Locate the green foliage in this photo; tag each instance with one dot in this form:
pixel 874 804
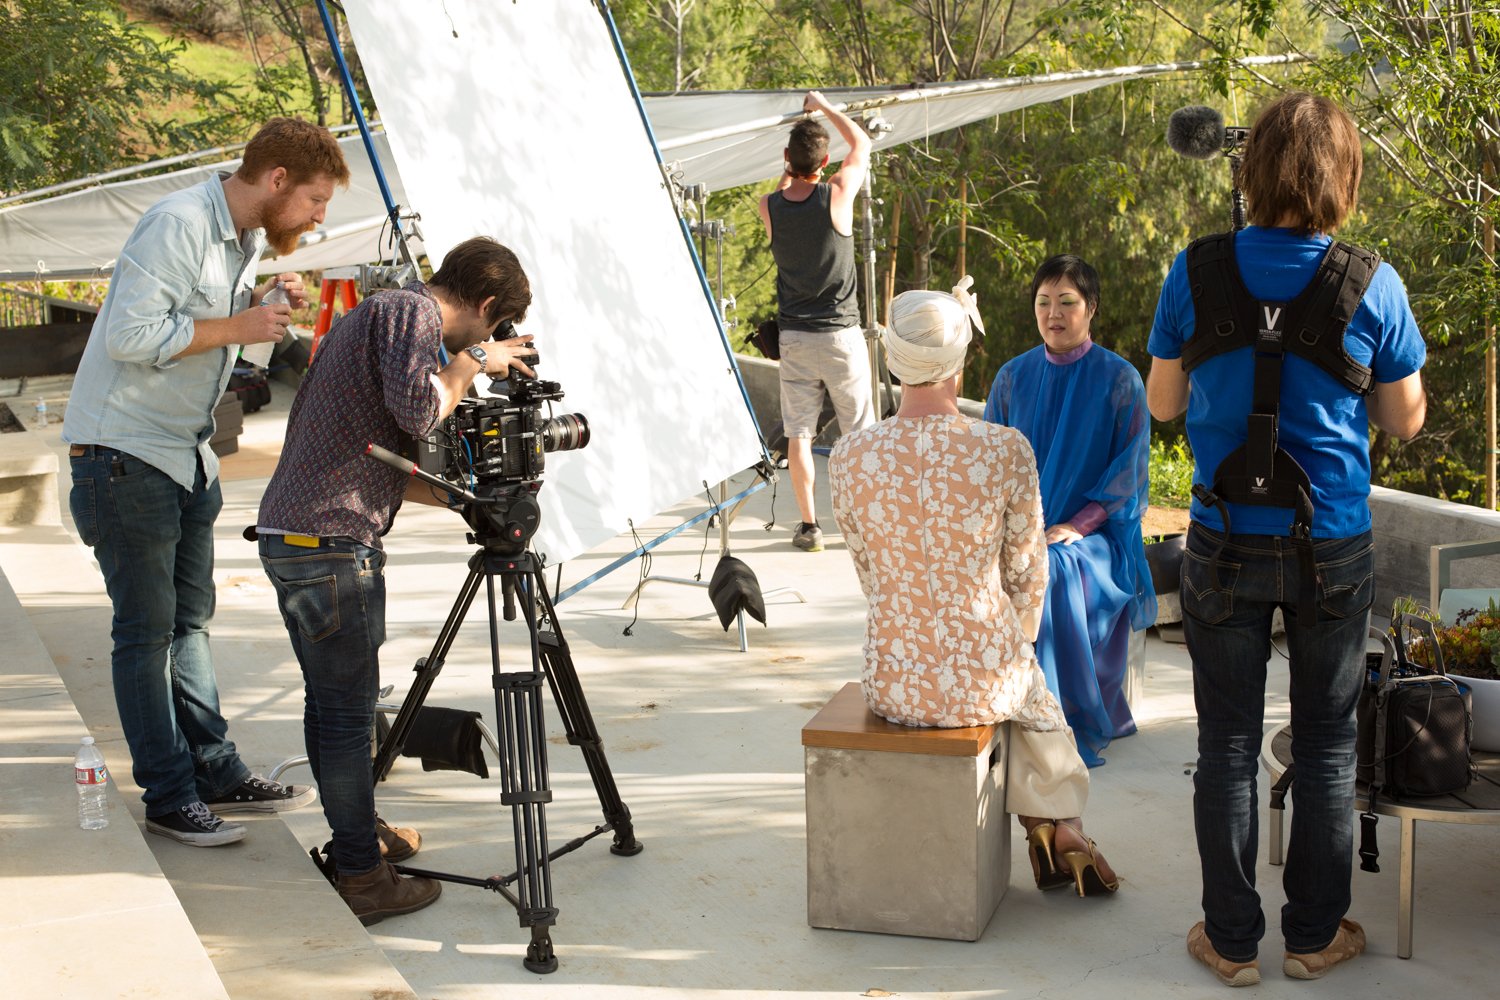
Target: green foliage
pixel 1171 473
pixel 71 96
pixel 1090 175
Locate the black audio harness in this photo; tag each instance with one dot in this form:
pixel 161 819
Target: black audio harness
pixel 1311 326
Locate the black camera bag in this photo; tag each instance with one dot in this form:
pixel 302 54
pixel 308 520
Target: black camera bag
pixel 1415 724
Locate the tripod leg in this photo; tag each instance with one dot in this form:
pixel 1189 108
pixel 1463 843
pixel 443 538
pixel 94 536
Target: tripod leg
pixel 578 721
pixel 525 788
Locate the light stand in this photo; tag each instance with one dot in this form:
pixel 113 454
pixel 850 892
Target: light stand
pixel 866 244
pixel 695 196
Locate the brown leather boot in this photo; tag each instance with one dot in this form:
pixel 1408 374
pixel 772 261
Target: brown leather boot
pixel 384 892
pixel 397 843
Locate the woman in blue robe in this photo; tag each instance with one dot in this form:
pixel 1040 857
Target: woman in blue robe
pixel 1083 408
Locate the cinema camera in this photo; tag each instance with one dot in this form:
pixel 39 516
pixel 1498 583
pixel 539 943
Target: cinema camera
pixel 490 453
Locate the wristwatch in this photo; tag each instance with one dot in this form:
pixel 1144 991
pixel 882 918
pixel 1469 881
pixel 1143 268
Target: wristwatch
pixel 477 353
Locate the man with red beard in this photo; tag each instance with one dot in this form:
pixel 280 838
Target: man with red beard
pixel 145 492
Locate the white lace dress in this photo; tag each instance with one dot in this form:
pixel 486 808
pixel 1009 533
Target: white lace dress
pixel 943 517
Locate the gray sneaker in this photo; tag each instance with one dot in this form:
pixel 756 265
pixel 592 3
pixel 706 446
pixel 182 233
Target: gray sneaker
pixel 196 825
pixel 808 537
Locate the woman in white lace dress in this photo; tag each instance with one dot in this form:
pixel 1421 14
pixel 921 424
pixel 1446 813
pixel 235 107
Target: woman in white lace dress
pixel 942 515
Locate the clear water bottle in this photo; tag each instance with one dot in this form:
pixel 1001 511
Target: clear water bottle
pixel 259 355
pixel 90 778
pixel 41 413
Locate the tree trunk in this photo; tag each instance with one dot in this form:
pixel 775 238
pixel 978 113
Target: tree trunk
pixel 1489 369
pixel 921 253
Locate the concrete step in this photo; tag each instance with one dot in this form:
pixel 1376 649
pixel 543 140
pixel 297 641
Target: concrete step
pixel 261 918
pixel 88 913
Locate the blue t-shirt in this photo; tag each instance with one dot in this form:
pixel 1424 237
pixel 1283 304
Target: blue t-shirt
pixel 1323 425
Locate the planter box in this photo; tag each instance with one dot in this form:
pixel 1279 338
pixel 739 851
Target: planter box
pixel 1486 695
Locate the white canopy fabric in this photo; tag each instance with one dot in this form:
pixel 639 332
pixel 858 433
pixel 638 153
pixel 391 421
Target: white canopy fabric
pixel 719 139
pixel 77 235
pixel 728 138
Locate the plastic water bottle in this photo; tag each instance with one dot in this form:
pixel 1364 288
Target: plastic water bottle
pixel 260 354
pixel 41 413
pixel 90 777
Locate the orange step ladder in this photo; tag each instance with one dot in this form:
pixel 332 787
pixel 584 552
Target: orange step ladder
pixel 331 288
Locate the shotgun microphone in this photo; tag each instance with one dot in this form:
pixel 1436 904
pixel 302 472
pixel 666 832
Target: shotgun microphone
pixel 1199 133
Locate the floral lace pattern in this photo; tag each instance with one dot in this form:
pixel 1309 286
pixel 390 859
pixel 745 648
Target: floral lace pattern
pixel 943 517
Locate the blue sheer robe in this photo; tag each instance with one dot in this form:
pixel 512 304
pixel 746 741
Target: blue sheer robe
pixel 1088 424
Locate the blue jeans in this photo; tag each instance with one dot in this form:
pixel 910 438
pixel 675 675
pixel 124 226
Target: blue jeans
pixel 332 600
pixel 1228 636
pixel 154 542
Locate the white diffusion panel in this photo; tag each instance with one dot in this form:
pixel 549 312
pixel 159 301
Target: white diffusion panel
pixel 515 120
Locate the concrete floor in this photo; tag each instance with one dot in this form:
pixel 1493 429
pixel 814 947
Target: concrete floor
pixel 704 744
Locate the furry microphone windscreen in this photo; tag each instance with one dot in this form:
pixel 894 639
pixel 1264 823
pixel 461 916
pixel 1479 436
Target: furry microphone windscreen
pixel 1196 132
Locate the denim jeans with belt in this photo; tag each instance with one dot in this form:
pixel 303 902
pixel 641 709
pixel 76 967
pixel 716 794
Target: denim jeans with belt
pixel 332 600
pixel 154 542
pixel 1228 635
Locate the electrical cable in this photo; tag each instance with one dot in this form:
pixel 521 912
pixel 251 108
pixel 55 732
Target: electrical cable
pixel 707 526
pixel 645 572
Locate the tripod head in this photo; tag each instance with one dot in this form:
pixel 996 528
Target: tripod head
pixel 503 516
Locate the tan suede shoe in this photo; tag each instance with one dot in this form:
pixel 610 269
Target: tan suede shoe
pixel 1347 943
pixel 1229 973
pixel 397 843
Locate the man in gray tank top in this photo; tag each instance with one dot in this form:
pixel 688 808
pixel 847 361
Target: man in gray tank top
pixel 811 226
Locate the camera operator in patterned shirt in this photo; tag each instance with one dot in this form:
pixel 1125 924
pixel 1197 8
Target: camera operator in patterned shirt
pixel 377 375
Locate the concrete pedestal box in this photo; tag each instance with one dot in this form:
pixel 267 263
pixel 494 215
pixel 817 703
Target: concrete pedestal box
pixel 906 827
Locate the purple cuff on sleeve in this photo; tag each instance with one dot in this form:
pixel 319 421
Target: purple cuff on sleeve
pixel 1090 517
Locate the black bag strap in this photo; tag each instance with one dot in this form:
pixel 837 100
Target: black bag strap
pixel 1279 790
pixel 1369 845
pixel 1418 624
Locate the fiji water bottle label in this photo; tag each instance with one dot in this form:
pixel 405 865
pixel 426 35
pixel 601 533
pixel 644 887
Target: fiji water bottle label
pixel 91 775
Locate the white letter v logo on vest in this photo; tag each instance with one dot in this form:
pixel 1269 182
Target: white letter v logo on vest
pixel 1273 316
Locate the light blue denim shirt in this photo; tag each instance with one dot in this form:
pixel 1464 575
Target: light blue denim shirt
pixel 184 261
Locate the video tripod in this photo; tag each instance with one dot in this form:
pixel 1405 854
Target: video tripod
pixel 520 733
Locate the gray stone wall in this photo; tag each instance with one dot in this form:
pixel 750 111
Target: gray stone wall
pixel 1408 525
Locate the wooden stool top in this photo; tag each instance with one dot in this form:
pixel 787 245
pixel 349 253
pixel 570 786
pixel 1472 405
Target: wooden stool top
pixel 846 723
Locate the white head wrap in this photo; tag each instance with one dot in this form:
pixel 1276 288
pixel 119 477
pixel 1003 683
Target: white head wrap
pixel 930 332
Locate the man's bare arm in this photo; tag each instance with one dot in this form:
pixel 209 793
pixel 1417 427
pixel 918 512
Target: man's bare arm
pixel 1166 389
pixel 1399 408
pixel 256 325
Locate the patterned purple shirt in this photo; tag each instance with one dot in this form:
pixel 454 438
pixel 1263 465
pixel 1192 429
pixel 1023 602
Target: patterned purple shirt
pixel 368 382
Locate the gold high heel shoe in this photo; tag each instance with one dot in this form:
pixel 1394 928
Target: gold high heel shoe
pixel 1087 873
pixel 1043 865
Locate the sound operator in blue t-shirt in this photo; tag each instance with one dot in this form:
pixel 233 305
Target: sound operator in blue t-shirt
pixel 1312 557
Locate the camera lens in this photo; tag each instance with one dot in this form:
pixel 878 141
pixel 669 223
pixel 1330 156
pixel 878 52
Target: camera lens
pixel 564 433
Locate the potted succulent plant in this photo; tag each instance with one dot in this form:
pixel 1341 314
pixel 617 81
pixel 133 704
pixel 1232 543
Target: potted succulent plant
pixel 1471 650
